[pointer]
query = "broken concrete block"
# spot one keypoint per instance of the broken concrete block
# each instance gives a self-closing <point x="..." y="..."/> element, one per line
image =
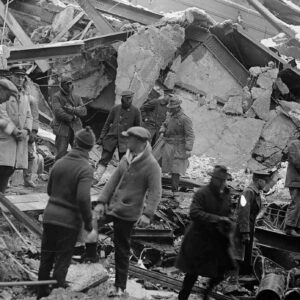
<point x="261" y="106"/>
<point x="247" y="99"/>
<point x="282" y="87"/>
<point x="171" y="77"/>
<point x="250" y="113"/>
<point x="272" y="73"/>
<point x="62" y="19"/>
<point x="264" y="81"/>
<point x="256" y="92"/>
<point x="234" y="106"/>
<point x="255" y="71"/>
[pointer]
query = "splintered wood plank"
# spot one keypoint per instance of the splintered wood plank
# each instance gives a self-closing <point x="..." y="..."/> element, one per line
<point x="21" y="35"/>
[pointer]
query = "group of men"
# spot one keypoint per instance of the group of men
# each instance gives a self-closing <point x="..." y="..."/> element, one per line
<point x="19" y="126"/>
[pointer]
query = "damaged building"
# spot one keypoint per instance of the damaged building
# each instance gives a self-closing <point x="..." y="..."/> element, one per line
<point x="243" y="97"/>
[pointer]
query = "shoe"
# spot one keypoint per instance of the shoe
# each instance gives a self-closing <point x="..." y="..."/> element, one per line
<point x="29" y="183"/>
<point x="292" y="232"/>
<point x="116" y="292"/>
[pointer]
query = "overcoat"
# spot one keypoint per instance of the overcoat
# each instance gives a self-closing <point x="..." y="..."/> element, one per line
<point x="293" y="171"/>
<point x="179" y="137"/>
<point x="119" y="120"/>
<point x="63" y="119"/>
<point x="206" y="249"/>
<point x="16" y="114"/>
<point x="245" y="223"/>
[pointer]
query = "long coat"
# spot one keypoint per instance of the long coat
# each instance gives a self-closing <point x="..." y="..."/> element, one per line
<point x="119" y="120"/>
<point x="179" y="137"/>
<point x="63" y="119"/>
<point x="206" y="250"/>
<point x="16" y="114"/>
<point x="293" y="171"/>
<point x="245" y="223"/>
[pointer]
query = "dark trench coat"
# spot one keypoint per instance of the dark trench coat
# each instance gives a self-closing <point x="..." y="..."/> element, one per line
<point x="206" y="249"/>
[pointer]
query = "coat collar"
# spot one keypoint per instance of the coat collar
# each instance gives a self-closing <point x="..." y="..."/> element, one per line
<point x="78" y="153"/>
<point x="129" y="155"/>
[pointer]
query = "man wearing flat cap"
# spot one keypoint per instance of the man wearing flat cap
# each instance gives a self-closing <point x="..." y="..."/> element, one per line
<point x="179" y="137"/>
<point x="120" y="118"/>
<point x="68" y="108"/>
<point x="247" y="210"/>
<point x="123" y="198"/>
<point x="206" y="249"/>
<point x="16" y="120"/>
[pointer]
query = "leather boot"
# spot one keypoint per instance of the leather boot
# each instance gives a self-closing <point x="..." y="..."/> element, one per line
<point x="98" y="174"/>
<point x="90" y="254"/>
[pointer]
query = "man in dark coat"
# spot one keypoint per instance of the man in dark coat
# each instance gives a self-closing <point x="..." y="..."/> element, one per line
<point x="68" y="207"/>
<point x="206" y="249"/>
<point x="68" y="109"/>
<point x="124" y="201"/>
<point x="154" y="113"/>
<point x="292" y="181"/>
<point x="120" y="118"/>
<point x="178" y="135"/>
<point x="247" y="210"/>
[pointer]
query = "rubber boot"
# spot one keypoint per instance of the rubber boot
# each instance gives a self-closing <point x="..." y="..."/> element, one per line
<point x="99" y="173"/>
<point x="91" y="253"/>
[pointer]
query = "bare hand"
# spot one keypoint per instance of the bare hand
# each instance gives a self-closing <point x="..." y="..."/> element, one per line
<point x="22" y="134"/>
<point x="92" y="237"/>
<point x="143" y="221"/>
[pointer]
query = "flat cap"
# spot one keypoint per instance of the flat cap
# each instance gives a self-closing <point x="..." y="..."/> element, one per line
<point x="7" y="84"/>
<point x="262" y="173"/>
<point x="221" y="172"/>
<point x="66" y="79"/>
<point x="174" y="102"/>
<point x="17" y="69"/>
<point x="127" y="93"/>
<point x="139" y="132"/>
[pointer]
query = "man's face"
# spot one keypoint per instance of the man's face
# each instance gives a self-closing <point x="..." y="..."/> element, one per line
<point x="4" y="94"/>
<point x="67" y="86"/>
<point x="18" y="79"/>
<point x="219" y="183"/>
<point x="132" y="142"/>
<point x="126" y="101"/>
<point x="173" y="110"/>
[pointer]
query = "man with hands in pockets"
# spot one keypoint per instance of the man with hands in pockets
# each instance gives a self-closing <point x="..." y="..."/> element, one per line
<point x="123" y="200"/>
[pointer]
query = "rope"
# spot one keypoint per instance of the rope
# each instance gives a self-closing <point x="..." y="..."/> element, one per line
<point x="4" y="23"/>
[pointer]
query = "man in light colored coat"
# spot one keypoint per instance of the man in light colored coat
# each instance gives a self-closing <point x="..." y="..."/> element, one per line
<point x="17" y="123"/>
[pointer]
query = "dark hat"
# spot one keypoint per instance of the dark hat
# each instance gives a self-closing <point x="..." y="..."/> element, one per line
<point x="174" y="102"/>
<point x="220" y="172"/>
<point x="66" y="79"/>
<point x="17" y="70"/>
<point x="262" y="173"/>
<point x="139" y="132"/>
<point x="85" y="138"/>
<point x="7" y="84"/>
<point x="127" y="93"/>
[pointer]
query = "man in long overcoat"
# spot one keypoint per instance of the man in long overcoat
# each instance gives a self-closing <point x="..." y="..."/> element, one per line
<point x="121" y="118"/>
<point x="206" y="249"/>
<point x="68" y="108"/>
<point x="292" y="181"/>
<point x="179" y="137"/>
<point x="247" y="210"/>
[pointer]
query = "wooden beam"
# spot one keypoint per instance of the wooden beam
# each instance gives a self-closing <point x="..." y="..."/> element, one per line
<point x="85" y="30"/>
<point x="20" y="34"/>
<point x="100" y="22"/>
<point x="68" y="27"/>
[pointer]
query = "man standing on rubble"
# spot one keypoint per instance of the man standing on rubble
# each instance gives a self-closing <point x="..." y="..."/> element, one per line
<point x="292" y="181"/>
<point x="68" y="109"/>
<point x="123" y="198"/>
<point x="179" y="137"/>
<point x="18" y="77"/>
<point x="69" y="205"/>
<point x="154" y="113"/>
<point x="206" y="249"/>
<point x="120" y="118"/>
<point x="16" y="122"/>
<point x="247" y="210"/>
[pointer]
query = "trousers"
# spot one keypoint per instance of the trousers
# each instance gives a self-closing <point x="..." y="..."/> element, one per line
<point x="57" y="249"/>
<point x="5" y="173"/>
<point x="175" y="182"/>
<point x="27" y="173"/>
<point x="122" y="242"/>
<point x="107" y="156"/>
<point x="292" y="216"/>
<point x="62" y="143"/>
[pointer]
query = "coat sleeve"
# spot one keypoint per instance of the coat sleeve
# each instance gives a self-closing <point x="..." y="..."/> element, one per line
<point x="29" y="118"/>
<point x="294" y="154"/>
<point x="243" y="217"/>
<point x="107" y="124"/>
<point x="6" y="124"/>
<point x="34" y="107"/>
<point x="59" y="112"/>
<point x="138" y="118"/>
<point x="111" y="185"/>
<point x="197" y="210"/>
<point x="80" y="109"/>
<point x="83" y="198"/>
<point x="49" y="186"/>
<point x="154" y="191"/>
<point x="189" y="134"/>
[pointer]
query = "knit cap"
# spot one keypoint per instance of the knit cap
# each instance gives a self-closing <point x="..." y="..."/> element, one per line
<point x="85" y="138"/>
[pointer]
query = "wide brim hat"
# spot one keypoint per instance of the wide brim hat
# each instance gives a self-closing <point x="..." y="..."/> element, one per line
<point x="139" y="132"/>
<point x="220" y="172"/>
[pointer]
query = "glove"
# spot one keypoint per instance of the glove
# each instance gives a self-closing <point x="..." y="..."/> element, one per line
<point x="99" y="210"/>
<point x="245" y="238"/>
<point x="22" y="134"/>
<point x="143" y="221"/>
<point x="92" y="237"/>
